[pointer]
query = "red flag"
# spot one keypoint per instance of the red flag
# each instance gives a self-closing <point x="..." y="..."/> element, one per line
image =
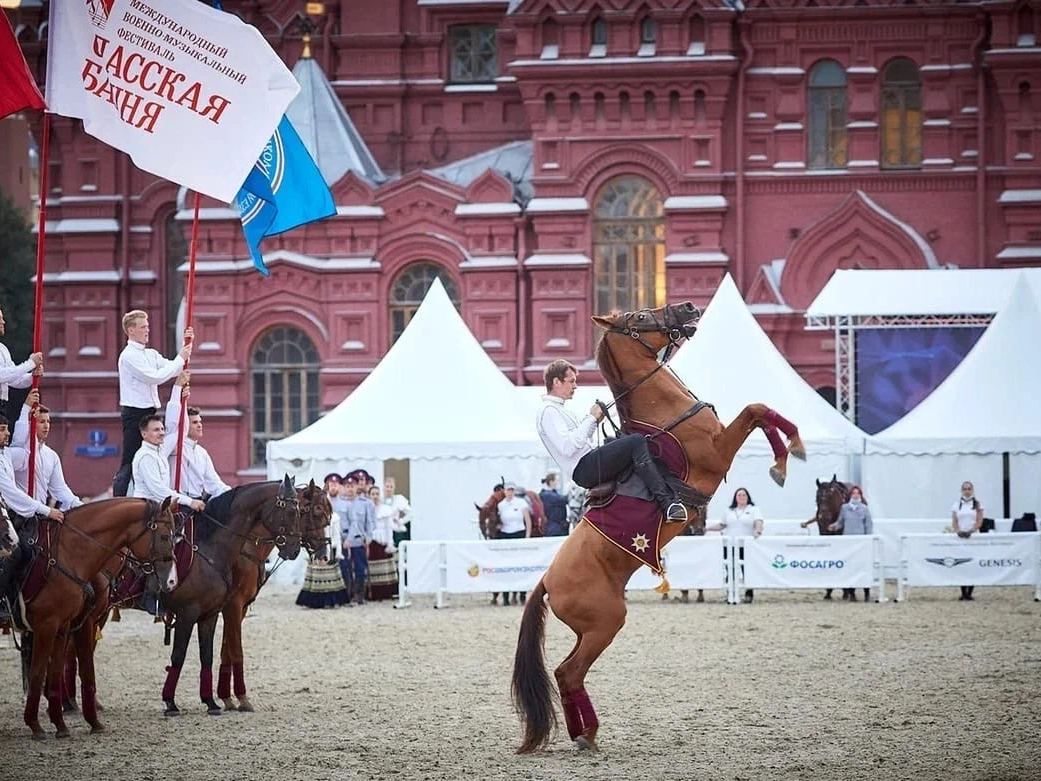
<point x="17" y="88"/>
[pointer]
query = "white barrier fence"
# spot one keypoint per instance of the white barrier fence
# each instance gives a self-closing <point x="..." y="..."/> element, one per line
<point x="794" y="561"/>
<point x="982" y="560"/>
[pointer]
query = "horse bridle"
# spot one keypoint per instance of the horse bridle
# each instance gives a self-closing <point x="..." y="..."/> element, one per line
<point x="279" y="537"/>
<point x="312" y="544"/>
<point x="826" y="489"/>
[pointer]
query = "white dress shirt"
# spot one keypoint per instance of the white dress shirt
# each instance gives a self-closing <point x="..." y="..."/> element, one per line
<point x="198" y="475"/>
<point x="402" y="511"/>
<point x="566" y="437"/>
<point x="141" y="371"/>
<point x="17" y="500"/>
<point x="152" y="474"/>
<point x="13" y="375"/>
<point x="49" y="476"/>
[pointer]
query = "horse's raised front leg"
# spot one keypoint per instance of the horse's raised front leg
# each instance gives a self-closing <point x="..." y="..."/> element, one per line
<point x="207" y="628"/>
<point x="760" y="416"/>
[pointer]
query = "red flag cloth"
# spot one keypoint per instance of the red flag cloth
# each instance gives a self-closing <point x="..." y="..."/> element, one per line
<point x="18" y="89"/>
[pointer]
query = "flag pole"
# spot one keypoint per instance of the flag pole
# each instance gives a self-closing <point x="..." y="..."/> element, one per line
<point x="189" y="312"/>
<point x="41" y="234"/>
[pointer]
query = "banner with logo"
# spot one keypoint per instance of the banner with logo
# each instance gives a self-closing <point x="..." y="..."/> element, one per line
<point x="981" y="560"/>
<point x="498" y="565"/>
<point x="690" y="562"/>
<point x="192" y="94"/>
<point x="811" y="562"/>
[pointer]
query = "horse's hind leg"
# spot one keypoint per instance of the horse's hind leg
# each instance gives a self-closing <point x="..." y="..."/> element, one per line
<point x="224" y="675"/>
<point x="232" y="659"/>
<point x="579" y="714"/>
<point x="43" y="643"/>
<point x="207" y="628"/>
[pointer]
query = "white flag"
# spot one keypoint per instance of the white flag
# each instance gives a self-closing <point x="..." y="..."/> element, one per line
<point x="191" y="93"/>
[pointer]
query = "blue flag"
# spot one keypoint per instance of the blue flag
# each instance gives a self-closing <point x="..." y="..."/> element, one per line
<point x="284" y="190"/>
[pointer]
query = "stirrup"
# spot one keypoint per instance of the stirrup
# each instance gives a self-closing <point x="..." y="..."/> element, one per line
<point x="677" y="513"/>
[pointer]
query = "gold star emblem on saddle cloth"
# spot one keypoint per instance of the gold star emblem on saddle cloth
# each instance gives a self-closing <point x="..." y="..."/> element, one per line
<point x="640" y="543"/>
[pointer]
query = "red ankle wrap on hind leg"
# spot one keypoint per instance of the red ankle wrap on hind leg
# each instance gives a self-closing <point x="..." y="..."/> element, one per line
<point x="585" y="709"/>
<point x="206" y="684"/>
<point x="240" y="679"/>
<point x="571" y="716"/>
<point x="224" y="681"/>
<point x="173" y="674"/>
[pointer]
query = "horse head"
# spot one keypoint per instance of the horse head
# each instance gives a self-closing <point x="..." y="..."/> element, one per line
<point x="655" y="329"/>
<point x="488" y="513"/>
<point x="831" y="495"/>
<point x="316" y="511"/>
<point x="8" y="535"/>
<point x="160" y="524"/>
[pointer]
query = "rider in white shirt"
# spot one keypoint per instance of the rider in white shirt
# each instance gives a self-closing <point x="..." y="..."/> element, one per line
<point x="151" y="467"/>
<point x="199" y="477"/>
<point x="14" y="375"/>
<point x="48" y="476"/>
<point x="569" y="440"/>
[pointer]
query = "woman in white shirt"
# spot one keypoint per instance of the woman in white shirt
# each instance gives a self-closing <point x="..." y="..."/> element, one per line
<point x="966" y="518"/>
<point x="743" y="519"/>
<point x="383" y="573"/>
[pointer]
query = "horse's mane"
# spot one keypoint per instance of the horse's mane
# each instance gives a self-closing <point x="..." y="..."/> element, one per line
<point x="613" y="377"/>
<point x="219" y="509"/>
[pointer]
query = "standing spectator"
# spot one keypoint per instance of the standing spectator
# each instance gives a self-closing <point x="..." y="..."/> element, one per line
<point x="14" y="375"/>
<point x="743" y="519"/>
<point x="854" y="518"/>
<point x="555" y="506"/>
<point x="383" y="575"/>
<point x="402" y="516"/>
<point x="515" y="520"/>
<point x="323" y="582"/>
<point x="49" y="476"/>
<point x="576" y="505"/>
<point x="141" y="371"/>
<point x="357" y="523"/>
<point x="966" y="518"/>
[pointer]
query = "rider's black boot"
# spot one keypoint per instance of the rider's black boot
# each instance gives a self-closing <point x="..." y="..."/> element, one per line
<point x="664" y="497"/>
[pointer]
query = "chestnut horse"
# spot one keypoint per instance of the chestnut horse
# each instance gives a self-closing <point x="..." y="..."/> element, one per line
<point x="587" y="578"/>
<point x="80" y="546"/>
<point x="248" y="576"/>
<point x="830" y="498"/>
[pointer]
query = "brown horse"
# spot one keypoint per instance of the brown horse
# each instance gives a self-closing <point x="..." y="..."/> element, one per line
<point x="80" y="546"/>
<point x="254" y="515"/>
<point x="587" y="578"/>
<point x="830" y="498"/>
<point x="248" y="576"/>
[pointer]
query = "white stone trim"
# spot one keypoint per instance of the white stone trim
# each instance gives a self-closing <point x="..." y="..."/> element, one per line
<point x="790" y="164"/>
<point x="209" y="213"/>
<point x="543" y="205"/>
<point x="779" y="71"/>
<point x="696" y="257"/>
<point x="1020" y="253"/>
<point x="284" y="256"/>
<point x="106" y="277"/>
<point x="360" y="211"/>
<point x="574" y="259"/>
<point x="861" y="123"/>
<point x="937" y="123"/>
<point x="479" y="87"/>
<point x="867" y="69"/>
<point x="572" y="61"/>
<point x="1020" y="196"/>
<point x="788" y="126"/>
<point x="486" y="209"/>
<point x="489" y="261"/>
<point x="695" y="202"/>
<point x="862" y="164"/>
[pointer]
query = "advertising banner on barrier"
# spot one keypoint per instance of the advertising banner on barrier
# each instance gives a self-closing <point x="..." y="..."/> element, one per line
<point x="981" y="560"/>
<point x="812" y="562"/>
<point x="498" y="565"/>
<point x="690" y="562"/>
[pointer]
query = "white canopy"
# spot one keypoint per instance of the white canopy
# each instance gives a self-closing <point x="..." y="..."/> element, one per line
<point x="986" y="407"/>
<point x="730" y="362"/>
<point x="894" y="292"/>
<point x="438" y="400"/>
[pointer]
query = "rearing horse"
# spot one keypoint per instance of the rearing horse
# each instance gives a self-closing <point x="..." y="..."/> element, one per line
<point x="586" y="580"/>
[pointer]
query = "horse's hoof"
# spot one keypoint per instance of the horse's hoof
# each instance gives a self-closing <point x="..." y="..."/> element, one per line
<point x="777" y="475"/>
<point x="171" y="708"/>
<point x="229" y="705"/>
<point x="98" y="707"/>
<point x="98" y="729"/>
<point x="245" y="706"/>
<point x="39" y="735"/>
<point x="583" y="744"/>
<point x="797" y="451"/>
<point x="214" y="710"/>
<point x="63" y="733"/>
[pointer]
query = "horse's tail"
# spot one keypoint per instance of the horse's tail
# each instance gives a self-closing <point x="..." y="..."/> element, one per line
<point x="532" y="688"/>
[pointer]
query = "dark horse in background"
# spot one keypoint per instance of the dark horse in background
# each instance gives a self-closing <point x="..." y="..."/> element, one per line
<point x="831" y="495"/>
<point x="586" y="581"/>
<point x="490" y="524"/>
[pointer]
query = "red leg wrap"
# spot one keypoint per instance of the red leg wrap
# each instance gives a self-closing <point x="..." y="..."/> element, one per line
<point x="775" y="441"/>
<point x="90" y="703"/>
<point x="572" y="717"/>
<point x="206" y="684"/>
<point x="775" y="419"/>
<point x="173" y="674"/>
<point x="224" y="681"/>
<point x="240" y="679"/>
<point x="585" y="709"/>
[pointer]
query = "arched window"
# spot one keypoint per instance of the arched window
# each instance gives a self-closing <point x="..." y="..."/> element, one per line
<point x="628" y="246"/>
<point x="598" y="48"/>
<point x="901" y="115"/>
<point x="408" y="291"/>
<point x="284" y="369"/>
<point x="827" y="101"/>
<point x="648" y="37"/>
<point x="696" y="29"/>
<point x="176" y="256"/>
<point x="550" y="40"/>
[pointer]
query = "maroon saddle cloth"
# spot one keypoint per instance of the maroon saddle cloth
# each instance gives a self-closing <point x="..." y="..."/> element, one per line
<point x="632" y="523"/>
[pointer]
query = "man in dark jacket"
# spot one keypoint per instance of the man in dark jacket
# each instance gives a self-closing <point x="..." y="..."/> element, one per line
<point x="555" y="507"/>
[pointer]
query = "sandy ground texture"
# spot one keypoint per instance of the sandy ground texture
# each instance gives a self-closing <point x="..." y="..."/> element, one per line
<point x="790" y="687"/>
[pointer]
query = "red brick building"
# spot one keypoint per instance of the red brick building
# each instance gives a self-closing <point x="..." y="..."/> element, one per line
<point x="549" y="159"/>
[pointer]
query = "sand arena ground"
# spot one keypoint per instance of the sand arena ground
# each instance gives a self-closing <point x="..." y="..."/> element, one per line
<point x="788" y="688"/>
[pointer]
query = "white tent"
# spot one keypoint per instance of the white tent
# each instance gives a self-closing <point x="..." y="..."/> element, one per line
<point x="986" y="407"/>
<point x="731" y="362"/>
<point x="438" y="400"/>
